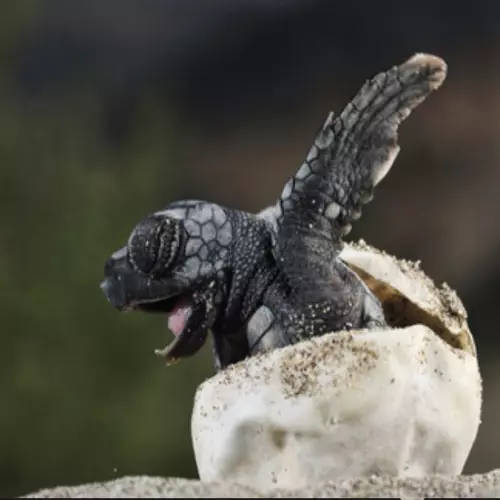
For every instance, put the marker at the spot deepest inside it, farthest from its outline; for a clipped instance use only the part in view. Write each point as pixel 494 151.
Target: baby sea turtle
pixel 262 281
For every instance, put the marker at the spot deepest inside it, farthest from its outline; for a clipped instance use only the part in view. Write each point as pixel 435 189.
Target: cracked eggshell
pixel 402 401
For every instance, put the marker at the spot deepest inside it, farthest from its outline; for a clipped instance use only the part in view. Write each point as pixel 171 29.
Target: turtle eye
pixel 154 244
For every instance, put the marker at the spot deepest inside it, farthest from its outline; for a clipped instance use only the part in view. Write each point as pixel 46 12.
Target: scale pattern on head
pixel 208 231
pixel 170 252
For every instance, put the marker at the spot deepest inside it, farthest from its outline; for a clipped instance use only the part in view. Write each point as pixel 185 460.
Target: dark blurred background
pixel 110 110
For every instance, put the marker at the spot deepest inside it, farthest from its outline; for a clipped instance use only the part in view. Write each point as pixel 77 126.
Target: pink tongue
pixel 177 319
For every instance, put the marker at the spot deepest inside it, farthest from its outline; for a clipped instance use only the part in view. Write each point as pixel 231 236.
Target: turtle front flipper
pixel 350 156
pixel 352 153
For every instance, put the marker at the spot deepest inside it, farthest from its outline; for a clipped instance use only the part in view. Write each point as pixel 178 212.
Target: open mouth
pixel 185 321
pixel 178 310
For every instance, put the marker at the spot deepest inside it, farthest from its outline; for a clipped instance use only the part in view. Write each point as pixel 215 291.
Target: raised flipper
pixel 350 156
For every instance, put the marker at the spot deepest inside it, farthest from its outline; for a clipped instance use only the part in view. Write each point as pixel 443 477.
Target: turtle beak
pixel 126 288
pixel 106 287
pixel 114 284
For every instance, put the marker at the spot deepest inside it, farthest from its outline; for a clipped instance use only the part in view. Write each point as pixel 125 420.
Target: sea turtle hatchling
pixel 267 280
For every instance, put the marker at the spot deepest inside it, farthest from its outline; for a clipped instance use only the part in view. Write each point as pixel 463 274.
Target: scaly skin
pixel 259 282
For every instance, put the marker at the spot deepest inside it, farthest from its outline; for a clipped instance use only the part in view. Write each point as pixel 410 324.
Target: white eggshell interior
pixel 394 401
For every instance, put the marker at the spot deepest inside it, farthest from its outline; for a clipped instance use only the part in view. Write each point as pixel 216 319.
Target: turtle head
pixel 174 263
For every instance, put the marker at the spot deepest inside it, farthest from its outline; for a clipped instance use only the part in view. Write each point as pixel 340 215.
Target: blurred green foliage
pixel 83 396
